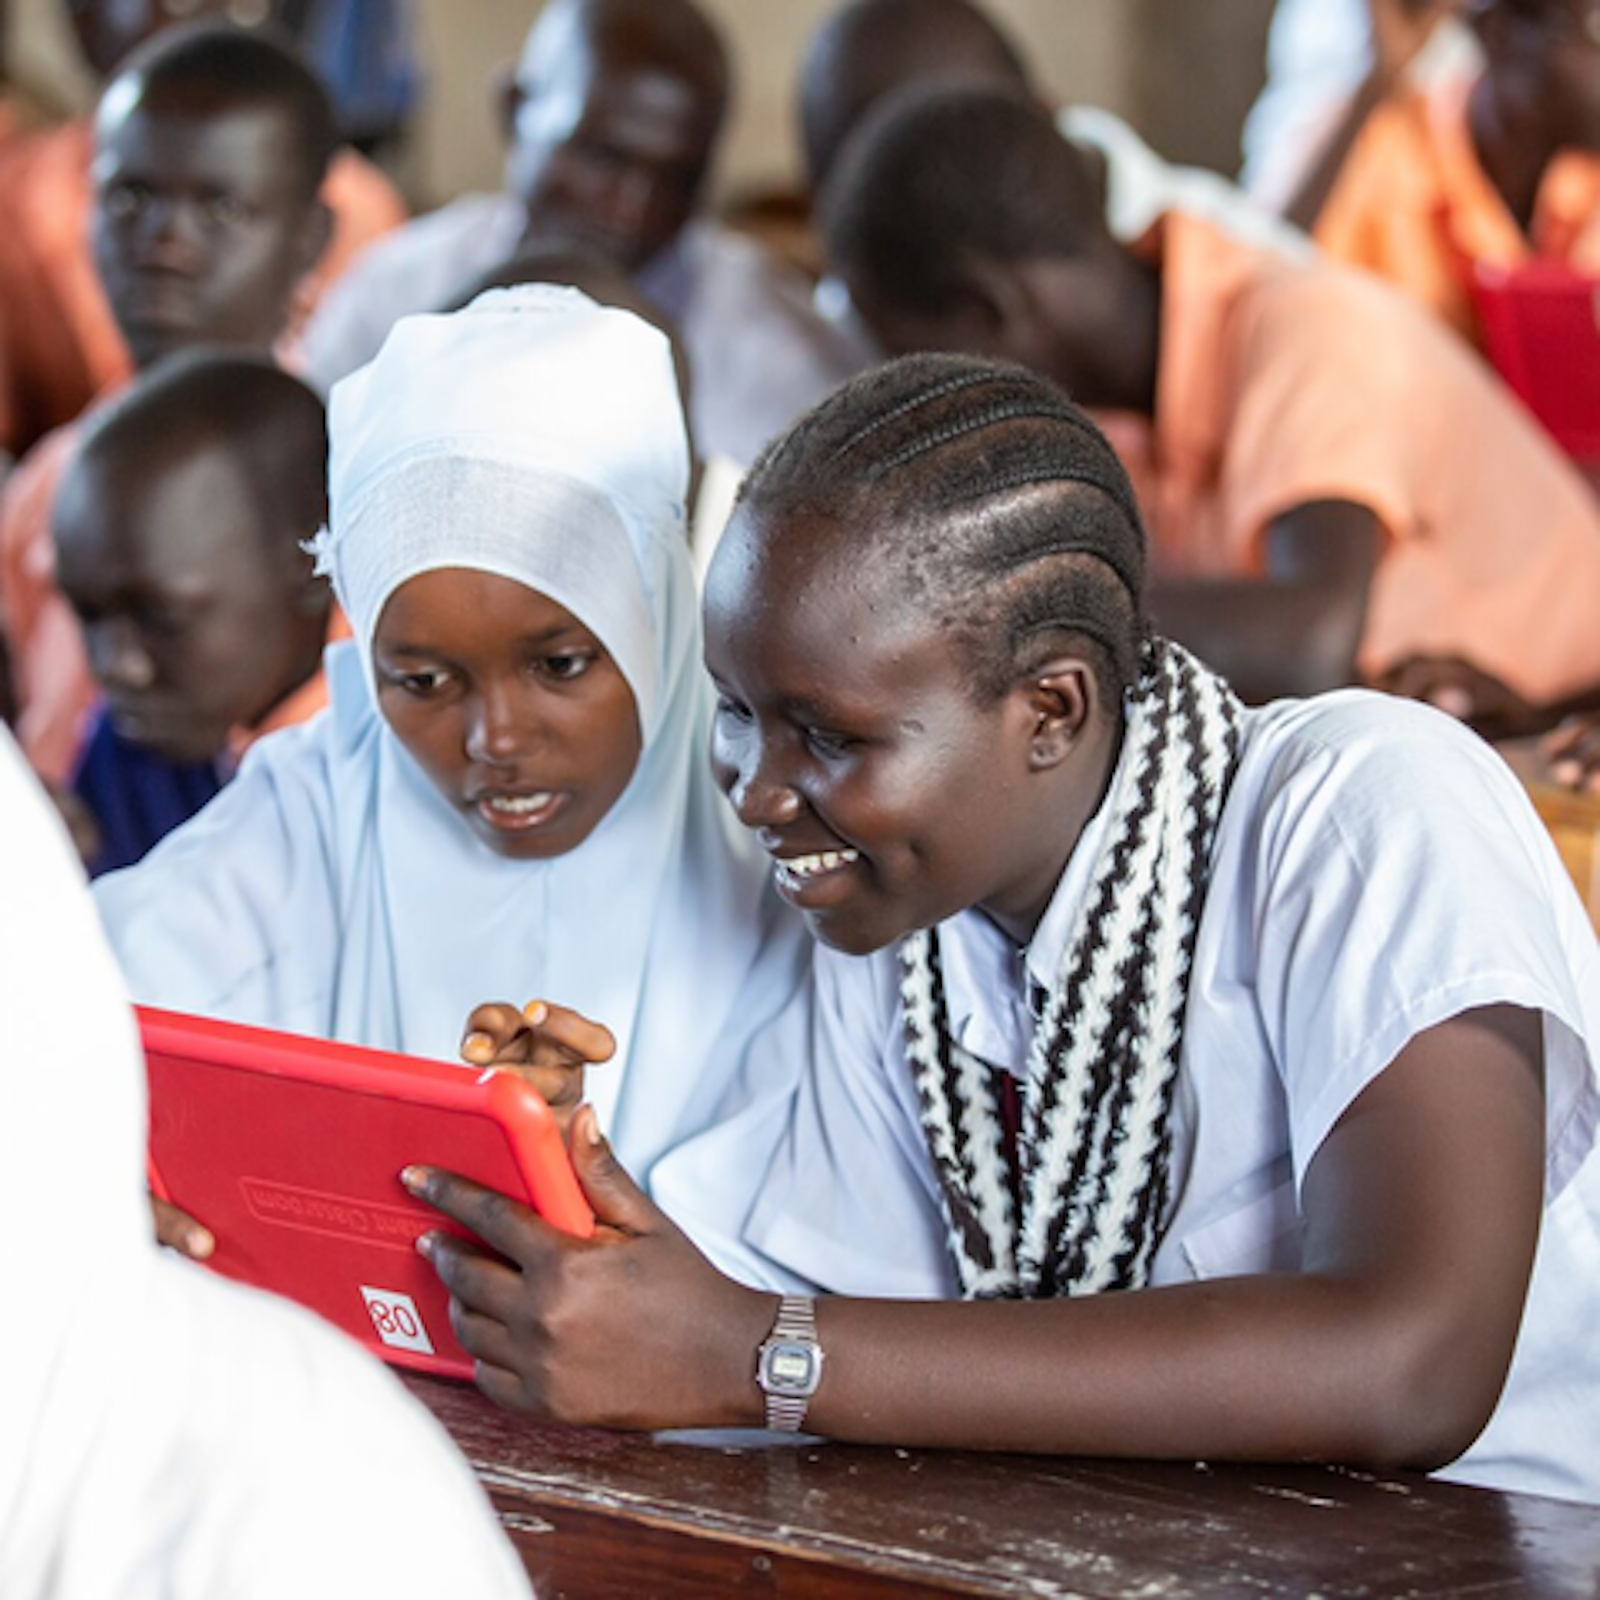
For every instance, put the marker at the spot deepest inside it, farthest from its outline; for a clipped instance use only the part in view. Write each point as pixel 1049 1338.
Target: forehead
pixel 179 515
pixel 202 138
pixel 805 607
pixel 450 604
pixel 645 109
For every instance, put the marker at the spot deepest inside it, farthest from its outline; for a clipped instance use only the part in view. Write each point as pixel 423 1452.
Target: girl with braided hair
pixel 1186 1080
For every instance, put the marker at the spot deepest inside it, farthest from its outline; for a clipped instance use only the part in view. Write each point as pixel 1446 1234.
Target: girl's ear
pixel 1063 701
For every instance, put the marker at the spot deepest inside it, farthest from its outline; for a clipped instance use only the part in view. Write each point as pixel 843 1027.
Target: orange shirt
pixel 1414 205
pixel 52 684
pixel 59 346
pixel 1283 383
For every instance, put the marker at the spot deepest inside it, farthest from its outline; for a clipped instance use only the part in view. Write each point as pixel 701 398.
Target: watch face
pixel 788 1368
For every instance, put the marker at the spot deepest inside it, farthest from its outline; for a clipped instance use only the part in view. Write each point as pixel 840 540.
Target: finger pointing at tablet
pixel 547 1044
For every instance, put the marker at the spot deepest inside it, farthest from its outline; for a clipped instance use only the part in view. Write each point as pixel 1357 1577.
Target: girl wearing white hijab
pixel 165 1435
pixel 506 483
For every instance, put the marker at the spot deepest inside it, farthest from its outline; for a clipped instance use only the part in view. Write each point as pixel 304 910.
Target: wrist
pixel 741 1328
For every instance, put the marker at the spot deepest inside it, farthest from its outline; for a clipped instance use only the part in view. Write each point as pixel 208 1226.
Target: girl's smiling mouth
pixel 796 874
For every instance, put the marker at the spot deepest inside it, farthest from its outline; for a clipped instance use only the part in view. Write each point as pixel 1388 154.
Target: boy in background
pixel 212 147
pixel 1335 485
pixel 611 124
pixel 178 530
pixel 60 345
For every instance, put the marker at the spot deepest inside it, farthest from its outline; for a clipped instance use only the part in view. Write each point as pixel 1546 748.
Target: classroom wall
pixel 1183 71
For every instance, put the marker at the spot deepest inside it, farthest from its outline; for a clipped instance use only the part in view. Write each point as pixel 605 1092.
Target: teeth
pixel 800 867
pixel 518 805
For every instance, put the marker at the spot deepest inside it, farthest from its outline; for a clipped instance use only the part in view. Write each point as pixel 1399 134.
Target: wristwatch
pixel 789 1363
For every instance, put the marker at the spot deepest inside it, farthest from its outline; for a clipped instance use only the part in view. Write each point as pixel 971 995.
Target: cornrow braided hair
pixel 1008 514
pixel 1015 524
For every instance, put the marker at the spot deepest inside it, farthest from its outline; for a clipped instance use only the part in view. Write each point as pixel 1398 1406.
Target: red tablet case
pixel 1541 330
pixel 290 1150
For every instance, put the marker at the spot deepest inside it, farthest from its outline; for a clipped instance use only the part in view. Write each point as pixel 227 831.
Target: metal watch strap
pixel 796 1322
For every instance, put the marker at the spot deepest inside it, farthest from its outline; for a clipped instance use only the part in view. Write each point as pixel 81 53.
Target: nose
pixel 496 731
pixel 760 796
pixel 631 208
pixel 633 199
pixel 169 235
pixel 119 657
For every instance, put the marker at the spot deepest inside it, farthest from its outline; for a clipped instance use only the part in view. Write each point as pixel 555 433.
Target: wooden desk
pixel 598 1515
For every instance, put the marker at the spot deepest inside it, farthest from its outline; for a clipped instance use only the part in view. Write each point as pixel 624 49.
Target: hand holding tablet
pixel 290 1150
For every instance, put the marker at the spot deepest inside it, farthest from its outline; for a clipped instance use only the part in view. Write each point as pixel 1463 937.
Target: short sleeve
pixel 1328 390
pixel 1374 920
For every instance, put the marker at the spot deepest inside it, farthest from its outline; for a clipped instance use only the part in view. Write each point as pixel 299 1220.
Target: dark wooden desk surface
pixel 599 1514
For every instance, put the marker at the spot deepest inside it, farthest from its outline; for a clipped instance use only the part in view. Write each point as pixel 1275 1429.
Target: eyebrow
pixel 558 633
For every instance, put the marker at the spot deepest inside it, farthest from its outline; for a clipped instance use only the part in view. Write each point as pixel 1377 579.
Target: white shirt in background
pixel 758 354
pixel 165 1435
pixel 1318 51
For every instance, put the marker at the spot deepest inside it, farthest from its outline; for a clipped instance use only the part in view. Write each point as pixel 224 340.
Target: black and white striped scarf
pixel 1094 1147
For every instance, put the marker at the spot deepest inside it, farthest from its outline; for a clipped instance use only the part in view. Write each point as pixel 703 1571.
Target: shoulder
pixel 1344 342
pixel 1389 801
pixel 1356 743
pixel 359 188
pixel 467 226
pixel 730 271
pixel 31 487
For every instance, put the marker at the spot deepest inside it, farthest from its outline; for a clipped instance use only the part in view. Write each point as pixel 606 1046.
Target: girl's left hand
pixel 549 1045
pixel 632 1328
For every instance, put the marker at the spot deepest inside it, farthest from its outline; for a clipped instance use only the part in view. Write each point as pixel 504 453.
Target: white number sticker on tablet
pixel 396 1320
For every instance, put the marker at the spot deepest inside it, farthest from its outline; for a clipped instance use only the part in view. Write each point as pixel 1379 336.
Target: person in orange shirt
pixel 179 527
pixel 1336 485
pixel 1501 168
pixel 60 345
pixel 211 145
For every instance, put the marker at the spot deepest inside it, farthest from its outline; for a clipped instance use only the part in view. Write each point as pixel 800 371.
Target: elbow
pixel 1422 1404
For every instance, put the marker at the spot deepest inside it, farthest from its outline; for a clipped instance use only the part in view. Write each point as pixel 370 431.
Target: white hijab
pixel 165 1435
pixel 332 890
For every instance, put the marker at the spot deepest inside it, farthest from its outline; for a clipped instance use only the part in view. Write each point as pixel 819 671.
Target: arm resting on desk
pixel 1389 1348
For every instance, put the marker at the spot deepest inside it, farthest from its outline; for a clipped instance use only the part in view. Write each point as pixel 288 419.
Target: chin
pixel 851 937
pixel 529 847
pixel 183 747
